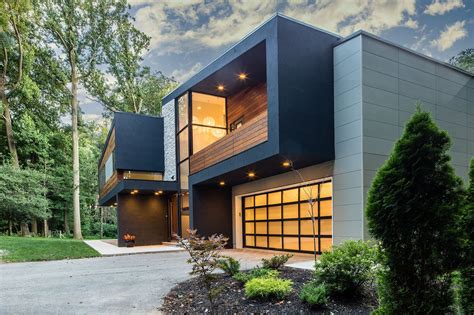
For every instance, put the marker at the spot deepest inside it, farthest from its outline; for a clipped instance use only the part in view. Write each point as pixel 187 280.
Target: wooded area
pixel 52 52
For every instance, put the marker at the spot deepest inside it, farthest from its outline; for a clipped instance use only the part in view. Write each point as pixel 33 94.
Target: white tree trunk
pixel 75 156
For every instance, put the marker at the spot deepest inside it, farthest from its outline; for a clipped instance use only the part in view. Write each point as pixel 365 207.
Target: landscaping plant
pixel 276 262
pixel 347 268
pixel 229 265
pixel 267 288
pixel 256 273
pixel 412 208
pixel 315 294
pixel 466 271
pixel 204 258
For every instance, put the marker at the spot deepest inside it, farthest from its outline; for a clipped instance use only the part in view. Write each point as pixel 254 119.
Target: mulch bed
pixel 190 297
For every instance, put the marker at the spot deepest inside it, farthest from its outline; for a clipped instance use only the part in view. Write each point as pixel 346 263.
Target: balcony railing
pixel 252 133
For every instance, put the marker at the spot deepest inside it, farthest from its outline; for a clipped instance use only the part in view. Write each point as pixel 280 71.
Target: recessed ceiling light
pixel 242 76
pixel 251 174
pixel 220 87
pixel 199 107
pixel 286 164
pixel 222 183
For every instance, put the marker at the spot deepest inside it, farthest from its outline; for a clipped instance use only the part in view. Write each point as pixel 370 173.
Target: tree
pixel 412 208
pixel 464 60
pixel 467 237
pixel 80 30
pixel 15 62
pixel 127 85
pixel 22 195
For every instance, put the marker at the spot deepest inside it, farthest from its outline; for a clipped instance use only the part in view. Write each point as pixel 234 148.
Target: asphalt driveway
pixel 132 284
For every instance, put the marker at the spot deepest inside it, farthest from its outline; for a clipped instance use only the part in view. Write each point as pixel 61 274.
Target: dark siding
pixel 211 210
pixel 306 106
pixel 139 142
pixel 145 216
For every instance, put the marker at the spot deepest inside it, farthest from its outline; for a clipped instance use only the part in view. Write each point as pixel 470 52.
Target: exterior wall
pixel 347 184
pixel 393 80
pixel 169 141
pixel 247 104
pixel 311 173
pixel 144 216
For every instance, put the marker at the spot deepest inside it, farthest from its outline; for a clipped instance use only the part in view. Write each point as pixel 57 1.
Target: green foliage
pixel 255 273
pixel 18 249
pixel 268 288
pixel 315 294
pixel 347 268
pixel 276 262
pixel 204 258
pixel 466 272
pixel 229 265
pixel 464 60
pixel 412 209
pixel 22 194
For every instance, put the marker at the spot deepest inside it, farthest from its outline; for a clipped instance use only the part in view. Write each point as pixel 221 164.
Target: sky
pixel 188 35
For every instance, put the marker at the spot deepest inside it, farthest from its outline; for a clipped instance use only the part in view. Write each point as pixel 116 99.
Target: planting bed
pixel 190 297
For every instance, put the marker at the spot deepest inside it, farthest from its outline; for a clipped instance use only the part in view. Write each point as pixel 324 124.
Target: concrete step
pixel 172 243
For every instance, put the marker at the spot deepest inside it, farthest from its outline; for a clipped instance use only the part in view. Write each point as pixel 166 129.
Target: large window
pixel 209 120
pixel 183 139
pixel 107 170
pixel 282 219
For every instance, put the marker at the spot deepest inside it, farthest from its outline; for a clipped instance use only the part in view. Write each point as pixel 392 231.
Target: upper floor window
pixel 208 120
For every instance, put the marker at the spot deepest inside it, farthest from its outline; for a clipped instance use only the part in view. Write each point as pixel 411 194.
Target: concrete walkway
pixel 107 248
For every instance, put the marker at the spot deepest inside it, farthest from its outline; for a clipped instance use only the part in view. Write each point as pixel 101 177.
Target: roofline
pixel 220 55
pixel 378 38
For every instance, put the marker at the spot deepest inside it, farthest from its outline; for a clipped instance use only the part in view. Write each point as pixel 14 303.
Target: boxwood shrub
pixel 314 294
pixel 347 268
pixel 268 288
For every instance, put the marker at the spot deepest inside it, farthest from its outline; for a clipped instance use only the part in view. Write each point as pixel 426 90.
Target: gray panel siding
pixel 389 97
pixel 348 184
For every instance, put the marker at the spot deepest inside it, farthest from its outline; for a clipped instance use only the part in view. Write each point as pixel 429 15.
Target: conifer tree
pixel 412 210
pixel 467 266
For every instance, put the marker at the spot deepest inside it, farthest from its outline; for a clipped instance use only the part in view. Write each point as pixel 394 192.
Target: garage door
pixel 283 219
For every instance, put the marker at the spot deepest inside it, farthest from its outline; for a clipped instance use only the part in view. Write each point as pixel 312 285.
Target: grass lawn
pixel 17 249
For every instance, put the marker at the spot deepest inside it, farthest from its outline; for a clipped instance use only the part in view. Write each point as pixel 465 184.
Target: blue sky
pixel 188 35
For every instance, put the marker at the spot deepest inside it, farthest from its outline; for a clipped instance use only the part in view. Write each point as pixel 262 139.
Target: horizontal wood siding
pixel 248 103
pixel 244 138
pixel 111 183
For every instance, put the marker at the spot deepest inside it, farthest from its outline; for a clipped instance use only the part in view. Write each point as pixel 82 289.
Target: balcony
pixel 254 132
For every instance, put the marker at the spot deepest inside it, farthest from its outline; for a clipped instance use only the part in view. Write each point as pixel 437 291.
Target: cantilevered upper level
pixel 133 158
pixel 266 100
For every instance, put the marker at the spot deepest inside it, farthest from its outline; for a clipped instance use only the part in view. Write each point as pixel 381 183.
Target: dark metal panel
pixel 139 142
pixel 211 210
pixel 306 105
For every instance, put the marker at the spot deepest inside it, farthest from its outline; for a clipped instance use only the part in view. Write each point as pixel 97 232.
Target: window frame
pixel 299 219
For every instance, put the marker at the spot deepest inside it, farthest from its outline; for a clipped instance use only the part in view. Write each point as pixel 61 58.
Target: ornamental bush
pixel 268 288
pixel 256 273
pixel 347 268
pixel 314 294
pixel 229 265
pixel 412 210
pixel 276 262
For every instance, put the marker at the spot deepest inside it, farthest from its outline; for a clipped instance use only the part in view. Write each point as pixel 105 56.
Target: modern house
pixel 290 113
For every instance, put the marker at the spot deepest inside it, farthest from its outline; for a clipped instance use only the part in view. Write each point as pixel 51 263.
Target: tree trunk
pixel 66 223
pixel 101 222
pixel 8 125
pixel 25 231
pixel 34 226
pixel 45 228
pixel 75 154
pixel 10 227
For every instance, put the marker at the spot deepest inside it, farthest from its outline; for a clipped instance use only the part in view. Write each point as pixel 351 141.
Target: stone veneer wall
pixel 169 141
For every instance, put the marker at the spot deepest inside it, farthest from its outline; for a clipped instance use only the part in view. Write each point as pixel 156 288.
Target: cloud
pixel 450 35
pixel 182 75
pixel 188 26
pixel 439 8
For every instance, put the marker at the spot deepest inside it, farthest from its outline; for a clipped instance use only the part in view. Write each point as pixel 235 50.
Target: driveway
pixel 129 284
pixel 132 284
